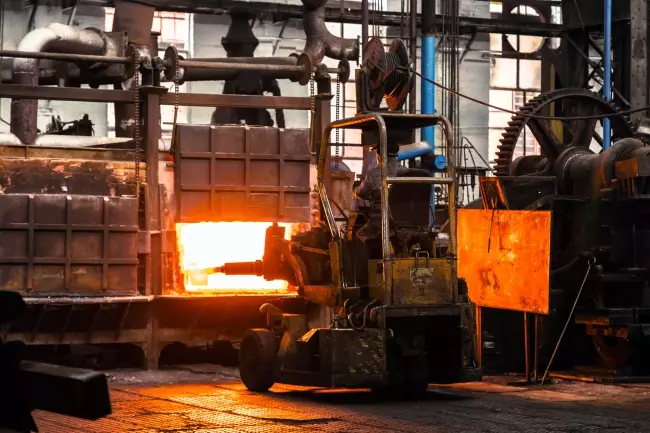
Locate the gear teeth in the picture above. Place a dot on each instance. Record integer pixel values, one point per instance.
(517, 123)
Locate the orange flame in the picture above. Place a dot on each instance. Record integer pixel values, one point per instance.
(211, 244)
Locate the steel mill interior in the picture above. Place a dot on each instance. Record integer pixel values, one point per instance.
(327, 216)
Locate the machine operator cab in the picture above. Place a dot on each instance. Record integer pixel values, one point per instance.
(409, 209)
(390, 240)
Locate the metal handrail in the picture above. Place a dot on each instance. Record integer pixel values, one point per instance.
(378, 119)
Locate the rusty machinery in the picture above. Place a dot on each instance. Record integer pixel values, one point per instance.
(401, 318)
(89, 229)
(567, 226)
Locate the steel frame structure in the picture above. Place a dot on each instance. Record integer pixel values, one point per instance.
(352, 14)
(575, 65)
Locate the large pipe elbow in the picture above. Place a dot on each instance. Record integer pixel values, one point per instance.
(319, 41)
(55, 38)
(619, 151)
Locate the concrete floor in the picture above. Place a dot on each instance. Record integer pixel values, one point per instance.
(208, 398)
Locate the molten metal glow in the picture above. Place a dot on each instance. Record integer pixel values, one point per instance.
(209, 244)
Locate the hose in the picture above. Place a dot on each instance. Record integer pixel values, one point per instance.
(364, 313)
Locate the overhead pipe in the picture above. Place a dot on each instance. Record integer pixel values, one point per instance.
(229, 68)
(50, 76)
(65, 57)
(607, 76)
(56, 38)
(427, 89)
(319, 41)
(49, 67)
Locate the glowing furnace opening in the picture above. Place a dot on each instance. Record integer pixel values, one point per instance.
(212, 244)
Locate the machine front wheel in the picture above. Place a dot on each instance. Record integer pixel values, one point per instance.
(257, 354)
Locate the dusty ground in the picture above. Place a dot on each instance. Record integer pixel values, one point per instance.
(209, 398)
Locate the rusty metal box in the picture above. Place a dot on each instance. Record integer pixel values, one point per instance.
(241, 173)
(416, 281)
(351, 358)
(68, 244)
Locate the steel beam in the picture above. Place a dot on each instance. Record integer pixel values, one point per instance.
(352, 14)
(66, 57)
(64, 93)
(236, 101)
(638, 57)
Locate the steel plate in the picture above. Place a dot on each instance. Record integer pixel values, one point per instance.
(241, 173)
(504, 256)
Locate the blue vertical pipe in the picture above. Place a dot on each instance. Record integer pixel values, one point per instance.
(607, 76)
(427, 97)
(427, 88)
(428, 102)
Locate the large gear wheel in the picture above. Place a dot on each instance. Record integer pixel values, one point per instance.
(574, 102)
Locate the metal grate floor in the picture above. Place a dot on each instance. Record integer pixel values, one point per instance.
(225, 406)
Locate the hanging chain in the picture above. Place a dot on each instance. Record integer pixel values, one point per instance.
(337, 149)
(177, 79)
(312, 114)
(312, 102)
(312, 97)
(136, 132)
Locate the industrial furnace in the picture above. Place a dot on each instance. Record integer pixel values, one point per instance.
(230, 184)
(102, 236)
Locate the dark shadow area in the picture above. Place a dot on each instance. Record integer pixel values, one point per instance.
(218, 352)
(365, 397)
(87, 356)
(131, 356)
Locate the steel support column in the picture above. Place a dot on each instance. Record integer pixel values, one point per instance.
(638, 57)
(607, 66)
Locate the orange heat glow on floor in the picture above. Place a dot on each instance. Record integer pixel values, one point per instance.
(211, 244)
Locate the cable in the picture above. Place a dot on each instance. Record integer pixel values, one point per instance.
(530, 116)
(582, 23)
(590, 263)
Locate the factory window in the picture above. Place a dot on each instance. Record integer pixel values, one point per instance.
(527, 143)
(174, 28)
(515, 77)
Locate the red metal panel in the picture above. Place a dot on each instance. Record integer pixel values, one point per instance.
(504, 256)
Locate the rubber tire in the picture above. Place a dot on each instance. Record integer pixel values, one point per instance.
(416, 375)
(257, 355)
(395, 389)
